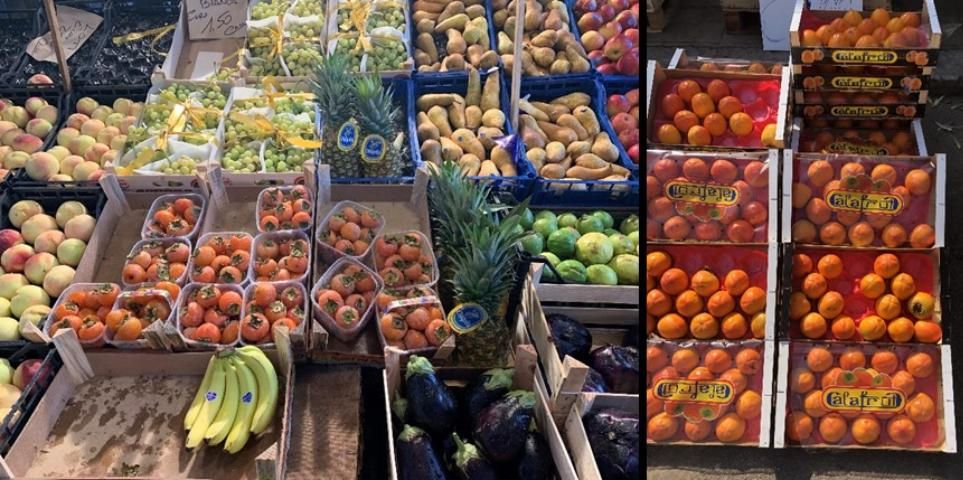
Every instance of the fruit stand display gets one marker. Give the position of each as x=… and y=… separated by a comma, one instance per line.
x=28, y=124
x=680, y=59
x=890, y=138
x=25, y=374
x=609, y=31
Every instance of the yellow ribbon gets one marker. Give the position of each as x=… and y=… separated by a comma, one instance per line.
x=273, y=91
x=158, y=33
x=276, y=41
x=359, y=18
x=266, y=128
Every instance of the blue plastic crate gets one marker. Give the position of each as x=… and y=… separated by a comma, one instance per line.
x=28, y=66
x=492, y=39
x=582, y=192
x=620, y=85
x=104, y=96
x=578, y=35
x=520, y=185
x=403, y=91
x=16, y=419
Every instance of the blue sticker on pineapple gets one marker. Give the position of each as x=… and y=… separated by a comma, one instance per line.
x=348, y=136
x=467, y=317
x=211, y=396
x=373, y=149
x=248, y=397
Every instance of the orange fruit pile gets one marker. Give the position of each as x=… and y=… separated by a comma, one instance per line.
x=700, y=115
x=670, y=420
x=879, y=29
x=810, y=421
x=815, y=222
x=900, y=312
x=754, y=67
x=702, y=306
x=876, y=141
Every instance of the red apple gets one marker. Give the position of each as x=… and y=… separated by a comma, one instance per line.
x=590, y=21
x=616, y=47
x=627, y=19
x=633, y=152
x=632, y=34
x=592, y=40
x=607, y=12
x=629, y=63
x=617, y=104
x=586, y=6
x=598, y=57
x=629, y=137
x=610, y=30
x=635, y=9
x=39, y=79
x=635, y=113
x=624, y=121
x=620, y=5
x=633, y=96
x=25, y=373
x=607, y=69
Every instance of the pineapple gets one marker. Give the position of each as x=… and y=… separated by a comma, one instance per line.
x=481, y=253
x=378, y=114
x=333, y=87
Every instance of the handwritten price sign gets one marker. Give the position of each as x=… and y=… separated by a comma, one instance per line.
x=76, y=26
x=211, y=19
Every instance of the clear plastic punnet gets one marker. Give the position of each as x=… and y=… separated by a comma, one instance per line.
x=344, y=298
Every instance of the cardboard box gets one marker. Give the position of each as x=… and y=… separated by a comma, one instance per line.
x=199, y=59
x=803, y=135
x=656, y=74
x=683, y=61
x=525, y=378
x=146, y=437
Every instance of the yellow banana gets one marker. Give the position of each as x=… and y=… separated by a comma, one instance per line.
x=267, y=387
x=213, y=398
x=241, y=429
x=221, y=426
x=199, y=396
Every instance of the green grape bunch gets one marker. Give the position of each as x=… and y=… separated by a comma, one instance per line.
x=285, y=160
x=391, y=16
x=236, y=132
x=387, y=55
x=347, y=45
x=290, y=124
x=307, y=8
x=301, y=58
x=260, y=41
x=241, y=159
x=264, y=68
x=344, y=20
x=294, y=106
x=310, y=31
x=273, y=8
x=182, y=165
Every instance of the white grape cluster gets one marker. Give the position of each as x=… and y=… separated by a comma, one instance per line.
x=241, y=159
x=387, y=55
x=294, y=106
x=301, y=58
x=386, y=17
x=310, y=31
x=347, y=45
x=307, y=8
x=273, y=8
x=285, y=160
x=182, y=165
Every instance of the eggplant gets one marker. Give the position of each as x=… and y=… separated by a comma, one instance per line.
x=536, y=462
x=501, y=427
x=431, y=405
x=416, y=457
x=619, y=366
x=614, y=437
x=486, y=388
x=594, y=382
x=571, y=337
x=469, y=462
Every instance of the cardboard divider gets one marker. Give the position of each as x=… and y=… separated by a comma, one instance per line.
x=198, y=59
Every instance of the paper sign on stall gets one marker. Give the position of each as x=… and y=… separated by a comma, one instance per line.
x=76, y=26
x=211, y=19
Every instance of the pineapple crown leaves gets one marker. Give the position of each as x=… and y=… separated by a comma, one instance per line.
x=484, y=270
x=375, y=103
x=332, y=85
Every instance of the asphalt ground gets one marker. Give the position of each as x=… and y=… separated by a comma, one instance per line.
x=943, y=130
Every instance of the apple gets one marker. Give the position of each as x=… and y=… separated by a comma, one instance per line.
x=627, y=19
x=623, y=121
x=9, y=237
x=607, y=12
x=25, y=372
x=629, y=137
x=607, y=69
x=632, y=34
x=592, y=41
x=620, y=5
x=590, y=21
x=616, y=47
x=597, y=57
x=633, y=96
x=629, y=63
x=617, y=104
x=586, y=6
x=633, y=152
x=610, y=30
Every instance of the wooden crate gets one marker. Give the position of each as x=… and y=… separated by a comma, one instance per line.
x=577, y=440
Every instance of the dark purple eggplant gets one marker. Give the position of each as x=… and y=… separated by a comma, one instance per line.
x=536, y=462
x=501, y=427
x=486, y=388
x=571, y=337
x=614, y=437
x=416, y=457
x=469, y=462
x=431, y=405
x=619, y=366
x=594, y=382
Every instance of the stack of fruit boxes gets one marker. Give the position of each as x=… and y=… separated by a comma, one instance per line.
x=864, y=69
x=861, y=358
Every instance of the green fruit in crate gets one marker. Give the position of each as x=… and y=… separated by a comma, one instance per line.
x=562, y=242
x=572, y=271
x=605, y=217
x=630, y=224
x=545, y=226
x=626, y=267
x=593, y=248
x=601, y=275
x=567, y=220
x=547, y=214
x=553, y=260
x=634, y=238
x=527, y=219
x=589, y=223
x=533, y=243
x=621, y=244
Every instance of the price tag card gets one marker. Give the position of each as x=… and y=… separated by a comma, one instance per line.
x=212, y=19
x=76, y=26
x=836, y=5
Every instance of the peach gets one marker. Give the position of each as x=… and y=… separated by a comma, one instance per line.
x=42, y=166
x=27, y=297
x=9, y=136
x=101, y=113
x=80, y=227
x=26, y=142
x=96, y=152
x=80, y=144
x=106, y=134
x=110, y=157
x=9, y=237
x=123, y=105
x=66, y=135
x=86, y=170
x=37, y=266
x=69, y=164
x=23, y=210
x=13, y=259
x=39, y=79
x=59, y=152
x=48, y=241
x=58, y=279
x=71, y=251
x=92, y=127
x=68, y=210
x=115, y=120
x=48, y=113
x=16, y=115
x=87, y=105
x=76, y=120
x=6, y=126
x=10, y=283
x=128, y=122
x=60, y=177
x=39, y=127
x=35, y=225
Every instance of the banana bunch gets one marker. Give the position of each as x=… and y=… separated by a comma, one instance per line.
x=237, y=398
